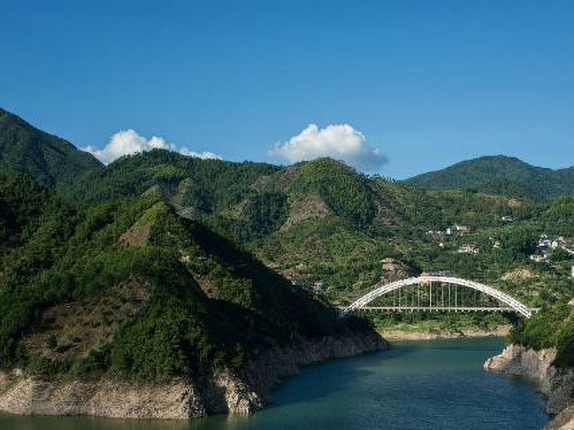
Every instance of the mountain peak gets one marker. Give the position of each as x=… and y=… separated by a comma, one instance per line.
x=499, y=174
x=52, y=161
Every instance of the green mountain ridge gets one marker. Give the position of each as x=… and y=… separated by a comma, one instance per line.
x=321, y=222
x=50, y=160
x=500, y=175
x=251, y=240
x=130, y=288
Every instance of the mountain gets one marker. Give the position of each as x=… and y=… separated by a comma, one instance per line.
x=132, y=291
x=239, y=190
x=161, y=268
x=501, y=175
x=51, y=160
x=319, y=222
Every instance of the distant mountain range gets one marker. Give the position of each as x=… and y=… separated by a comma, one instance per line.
x=56, y=163
x=321, y=212
x=500, y=174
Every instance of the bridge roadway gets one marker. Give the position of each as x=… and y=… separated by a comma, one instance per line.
x=439, y=309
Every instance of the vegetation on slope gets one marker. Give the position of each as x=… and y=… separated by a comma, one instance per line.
x=319, y=223
x=322, y=223
x=501, y=175
x=204, y=185
x=52, y=161
x=131, y=288
x=553, y=327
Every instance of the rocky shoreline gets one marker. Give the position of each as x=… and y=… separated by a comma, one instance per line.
x=556, y=383
x=500, y=331
x=214, y=391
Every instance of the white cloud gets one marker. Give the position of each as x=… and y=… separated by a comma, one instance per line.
x=338, y=141
x=129, y=142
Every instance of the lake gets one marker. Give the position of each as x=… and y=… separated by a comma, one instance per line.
x=434, y=384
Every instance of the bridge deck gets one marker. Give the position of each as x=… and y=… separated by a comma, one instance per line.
x=438, y=309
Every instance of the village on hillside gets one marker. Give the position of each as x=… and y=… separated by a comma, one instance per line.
x=546, y=244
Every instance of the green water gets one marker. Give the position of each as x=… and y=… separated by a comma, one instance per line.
x=417, y=385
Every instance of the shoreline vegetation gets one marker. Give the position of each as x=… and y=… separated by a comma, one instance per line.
x=409, y=326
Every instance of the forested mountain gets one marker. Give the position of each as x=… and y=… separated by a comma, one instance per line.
x=500, y=175
x=50, y=160
x=322, y=223
x=130, y=287
x=210, y=250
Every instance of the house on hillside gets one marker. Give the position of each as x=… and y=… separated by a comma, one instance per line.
x=435, y=234
x=539, y=258
x=546, y=243
x=468, y=248
x=458, y=230
x=559, y=242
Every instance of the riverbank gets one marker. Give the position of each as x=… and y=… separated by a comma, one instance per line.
x=537, y=366
x=422, y=385
x=431, y=334
x=206, y=392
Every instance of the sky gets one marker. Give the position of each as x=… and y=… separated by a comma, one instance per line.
x=392, y=87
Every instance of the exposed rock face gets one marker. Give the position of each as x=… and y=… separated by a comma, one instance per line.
x=31, y=396
x=216, y=391
x=519, y=274
x=312, y=207
x=563, y=421
x=394, y=270
x=556, y=383
x=391, y=335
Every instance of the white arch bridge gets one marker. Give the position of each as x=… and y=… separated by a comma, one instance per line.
x=445, y=299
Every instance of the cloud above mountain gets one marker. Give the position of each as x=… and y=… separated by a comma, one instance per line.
x=128, y=141
x=338, y=141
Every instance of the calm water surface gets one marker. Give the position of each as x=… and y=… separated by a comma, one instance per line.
x=418, y=385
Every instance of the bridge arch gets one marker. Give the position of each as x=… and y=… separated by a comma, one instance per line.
x=486, y=289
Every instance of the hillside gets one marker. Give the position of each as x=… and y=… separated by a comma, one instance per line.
x=142, y=249
x=50, y=160
x=133, y=291
x=500, y=175
x=322, y=224
x=325, y=226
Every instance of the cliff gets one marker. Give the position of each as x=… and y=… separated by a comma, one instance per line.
x=556, y=383
x=214, y=391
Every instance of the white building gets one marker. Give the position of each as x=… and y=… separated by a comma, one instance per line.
x=458, y=230
x=468, y=249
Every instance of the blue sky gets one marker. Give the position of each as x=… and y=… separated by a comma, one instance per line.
x=423, y=83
